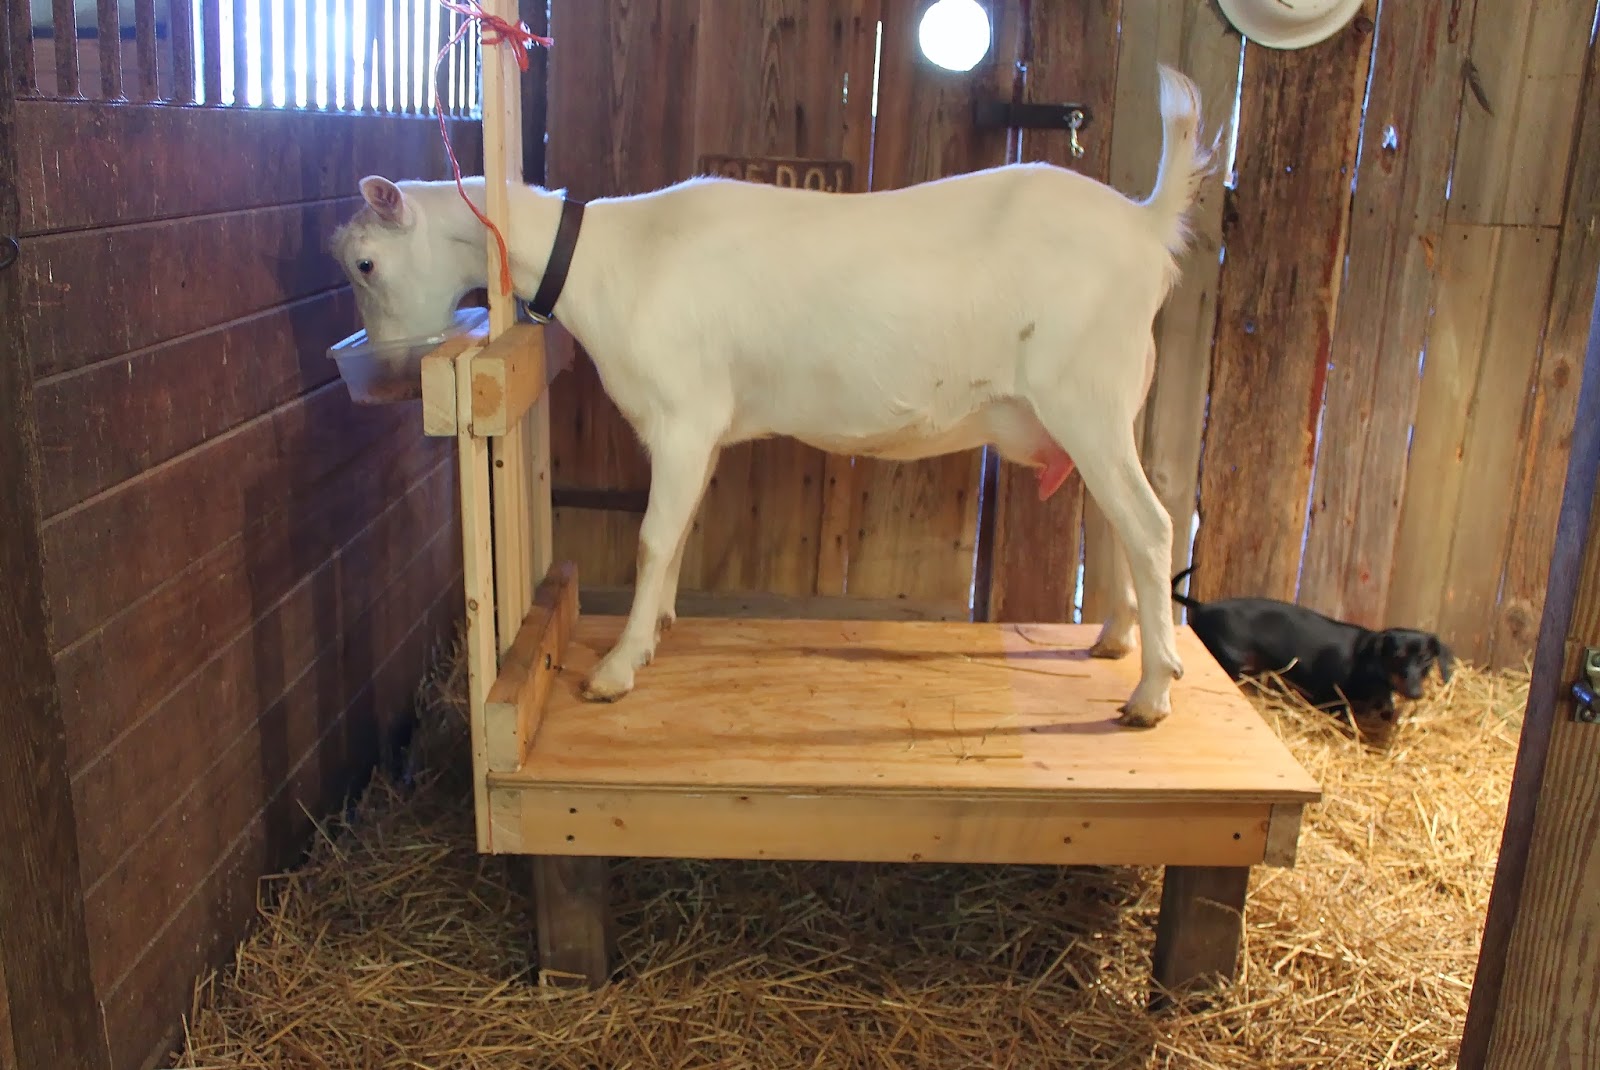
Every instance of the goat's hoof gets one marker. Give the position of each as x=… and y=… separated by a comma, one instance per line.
x=1132, y=719
x=665, y=621
x=607, y=684
x=1110, y=648
x=1138, y=713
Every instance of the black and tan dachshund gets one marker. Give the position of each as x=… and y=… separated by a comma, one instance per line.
x=1333, y=664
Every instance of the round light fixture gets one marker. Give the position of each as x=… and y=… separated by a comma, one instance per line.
x=955, y=34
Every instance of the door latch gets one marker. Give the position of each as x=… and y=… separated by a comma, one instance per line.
x=993, y=114
x=1586, y=691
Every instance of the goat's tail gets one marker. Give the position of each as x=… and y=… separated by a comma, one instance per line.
x=1183, y=600
x=1184, y=161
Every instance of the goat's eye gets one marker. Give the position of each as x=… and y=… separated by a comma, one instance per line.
x=364, y=266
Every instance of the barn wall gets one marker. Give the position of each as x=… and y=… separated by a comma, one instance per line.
x=1365, y=383
x=246, y=573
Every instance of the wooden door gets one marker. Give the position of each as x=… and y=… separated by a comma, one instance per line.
x=1536, y=1000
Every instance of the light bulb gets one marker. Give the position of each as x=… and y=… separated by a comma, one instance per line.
x=955, y=34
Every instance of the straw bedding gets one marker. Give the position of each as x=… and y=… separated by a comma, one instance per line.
x=395, y=944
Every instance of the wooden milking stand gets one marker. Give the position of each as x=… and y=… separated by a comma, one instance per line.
x=788, y=739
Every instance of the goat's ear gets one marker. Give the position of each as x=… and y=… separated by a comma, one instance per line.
x=386, y=199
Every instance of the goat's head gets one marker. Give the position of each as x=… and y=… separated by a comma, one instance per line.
x=407, y=273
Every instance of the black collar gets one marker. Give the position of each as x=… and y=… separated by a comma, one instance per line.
x=542, y=307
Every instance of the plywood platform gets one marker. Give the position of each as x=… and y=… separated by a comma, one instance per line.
x=897, y=741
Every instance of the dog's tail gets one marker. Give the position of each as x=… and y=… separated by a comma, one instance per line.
x=1183, y=600
x=1184, y=162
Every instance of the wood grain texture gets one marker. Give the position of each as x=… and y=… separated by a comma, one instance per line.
x=897, y=707
x=118, y=418
x=51, y=1001
x=1456, y=521
x=147, y=656
x=108, y=26
x=19, y=69
x=297, y=156
x=1396, y=229
x=1533, y=1000
x=918, y=523
x=947, y=828
x=218, y=490
x=572, y=903
x=125, y=786
x=201, y=934
x=1512, y=165
x=614, y=601
x=515, y=702
x=1200, y=928
x=65, y=24
x=770, y=83
x=1198, y=40
x=146, y=81
x=1072, y=54
x=618, y=124
x=93, y=295
x=8, y=1055
x=177, y=851
x=1554, y=407
x=1285, y=236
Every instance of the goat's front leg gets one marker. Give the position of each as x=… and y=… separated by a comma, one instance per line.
x=679, y=471
x=669, y=587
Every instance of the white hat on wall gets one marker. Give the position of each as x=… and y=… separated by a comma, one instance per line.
x=1289, y=23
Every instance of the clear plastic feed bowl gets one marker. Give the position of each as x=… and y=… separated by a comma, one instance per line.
x=382, y=373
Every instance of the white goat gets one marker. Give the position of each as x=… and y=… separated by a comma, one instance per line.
x=1011, y=306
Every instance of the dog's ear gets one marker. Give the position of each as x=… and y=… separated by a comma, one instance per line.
x=1388, y=645
x=1445, y=656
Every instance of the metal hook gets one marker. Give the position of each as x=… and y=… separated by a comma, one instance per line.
x=1074, y=124
x=8, y=256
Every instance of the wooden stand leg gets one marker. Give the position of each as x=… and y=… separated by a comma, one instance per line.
x=572, y=910
x=1201, y=926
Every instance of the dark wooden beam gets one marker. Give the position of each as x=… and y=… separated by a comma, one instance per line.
x=1542, y=770
x=44, y=948
x=1200, y=929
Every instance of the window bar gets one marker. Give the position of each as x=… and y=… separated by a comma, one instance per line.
x=241, y=54
x=180, y=23
x=211, y=59
x=66, y=48
x=144, y=33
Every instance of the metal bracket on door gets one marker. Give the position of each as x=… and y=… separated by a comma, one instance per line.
x=1586, y=690
x=990, y=114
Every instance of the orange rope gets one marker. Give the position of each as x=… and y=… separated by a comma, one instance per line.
x=494, y=30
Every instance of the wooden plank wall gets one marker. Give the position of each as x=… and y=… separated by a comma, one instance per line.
x=246, y=572
x=1364, y=385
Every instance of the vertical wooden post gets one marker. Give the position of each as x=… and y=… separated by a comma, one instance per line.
x=570, y=903
x=1532, y=1001
x=1200, y=928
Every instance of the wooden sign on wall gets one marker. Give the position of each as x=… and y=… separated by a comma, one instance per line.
x=829, y=176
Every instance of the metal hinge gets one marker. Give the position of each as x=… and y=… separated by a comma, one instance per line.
x=1586, y=691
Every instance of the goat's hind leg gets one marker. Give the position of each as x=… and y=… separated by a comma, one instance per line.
x=1108, y=458
x=679, y=471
